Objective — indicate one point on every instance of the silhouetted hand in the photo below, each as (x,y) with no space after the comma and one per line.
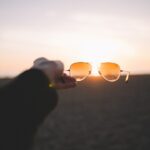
(54,71)
(64,82)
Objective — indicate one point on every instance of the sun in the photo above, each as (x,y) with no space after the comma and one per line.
(96,52)
(94,68)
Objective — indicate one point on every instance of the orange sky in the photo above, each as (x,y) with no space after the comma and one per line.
(87,30)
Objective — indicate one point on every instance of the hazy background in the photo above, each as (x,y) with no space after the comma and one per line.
(96,114)
(74,30)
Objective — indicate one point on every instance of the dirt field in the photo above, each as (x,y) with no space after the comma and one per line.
(98,115)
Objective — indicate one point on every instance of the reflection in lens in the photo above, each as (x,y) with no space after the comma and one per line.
(110,71)
(80,70)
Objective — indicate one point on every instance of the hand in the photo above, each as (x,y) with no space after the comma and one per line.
(54,71)
(64,82)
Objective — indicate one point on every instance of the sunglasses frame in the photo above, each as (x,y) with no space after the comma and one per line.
(90,71)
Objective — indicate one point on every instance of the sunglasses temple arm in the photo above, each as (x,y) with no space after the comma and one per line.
(127,76)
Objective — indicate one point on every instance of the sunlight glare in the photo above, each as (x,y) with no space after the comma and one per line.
(94,68)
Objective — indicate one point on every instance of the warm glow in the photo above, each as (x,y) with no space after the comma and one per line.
(74,31)
(95,52)
(94,68)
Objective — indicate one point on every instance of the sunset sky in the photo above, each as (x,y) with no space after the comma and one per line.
(74,30)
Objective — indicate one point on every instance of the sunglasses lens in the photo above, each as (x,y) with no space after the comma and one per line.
(110,71)
(80,70)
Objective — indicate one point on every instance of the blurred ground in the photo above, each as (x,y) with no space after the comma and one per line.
(98,115)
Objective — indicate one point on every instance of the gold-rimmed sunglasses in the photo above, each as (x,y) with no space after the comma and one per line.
(109,71)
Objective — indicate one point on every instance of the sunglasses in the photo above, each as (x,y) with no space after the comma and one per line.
(109,71)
